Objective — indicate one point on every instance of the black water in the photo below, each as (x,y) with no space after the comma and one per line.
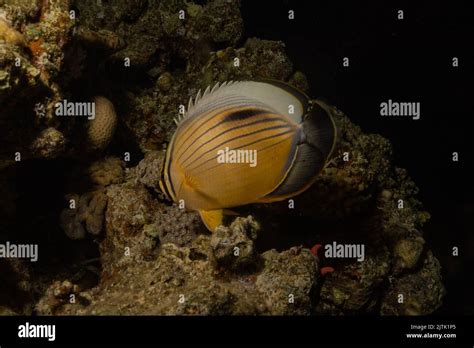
(404,60)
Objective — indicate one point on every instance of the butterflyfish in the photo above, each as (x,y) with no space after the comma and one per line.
(246,142)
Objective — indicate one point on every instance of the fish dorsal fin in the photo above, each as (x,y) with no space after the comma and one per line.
(207,93)
(216,86)
(198,97)
(190,103)
(193,103)
(279,98)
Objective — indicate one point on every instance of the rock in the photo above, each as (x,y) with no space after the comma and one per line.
(17,295)
(234,246)
(407,252)
(148,171)
(130,208)
(287,281)
(352,288)
(418,293)
(164,81)
(5,311)
(299,80)
(174,225)
(107,171)
(50,143)
(56,295)
(184,281)
(10,35)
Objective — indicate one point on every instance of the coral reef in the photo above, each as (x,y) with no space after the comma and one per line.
(174,225)
(151,257)
(421,291)
(148,171)
(33,39)
(130,208)
(184,280)
(234,246)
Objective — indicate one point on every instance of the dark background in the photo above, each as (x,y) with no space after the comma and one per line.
(407,60)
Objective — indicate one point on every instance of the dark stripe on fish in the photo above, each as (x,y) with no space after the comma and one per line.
(235,138)
(248,144)
(242,115)
(231,129)
(257,112)
(231,102)
(194,132)
(166,189)
(258,150)
(170,181)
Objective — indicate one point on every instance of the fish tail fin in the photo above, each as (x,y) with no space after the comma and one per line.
(319,128)
(212,218)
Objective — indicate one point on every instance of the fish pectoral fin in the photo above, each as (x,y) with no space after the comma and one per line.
(212,218)
(189,181)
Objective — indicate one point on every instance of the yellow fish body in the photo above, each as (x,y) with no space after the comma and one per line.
(246,142)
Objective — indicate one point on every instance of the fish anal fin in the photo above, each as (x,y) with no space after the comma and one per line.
(212,218)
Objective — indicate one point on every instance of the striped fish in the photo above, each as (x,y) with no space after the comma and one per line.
(291,137)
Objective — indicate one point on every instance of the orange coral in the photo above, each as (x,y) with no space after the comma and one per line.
(36,47)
